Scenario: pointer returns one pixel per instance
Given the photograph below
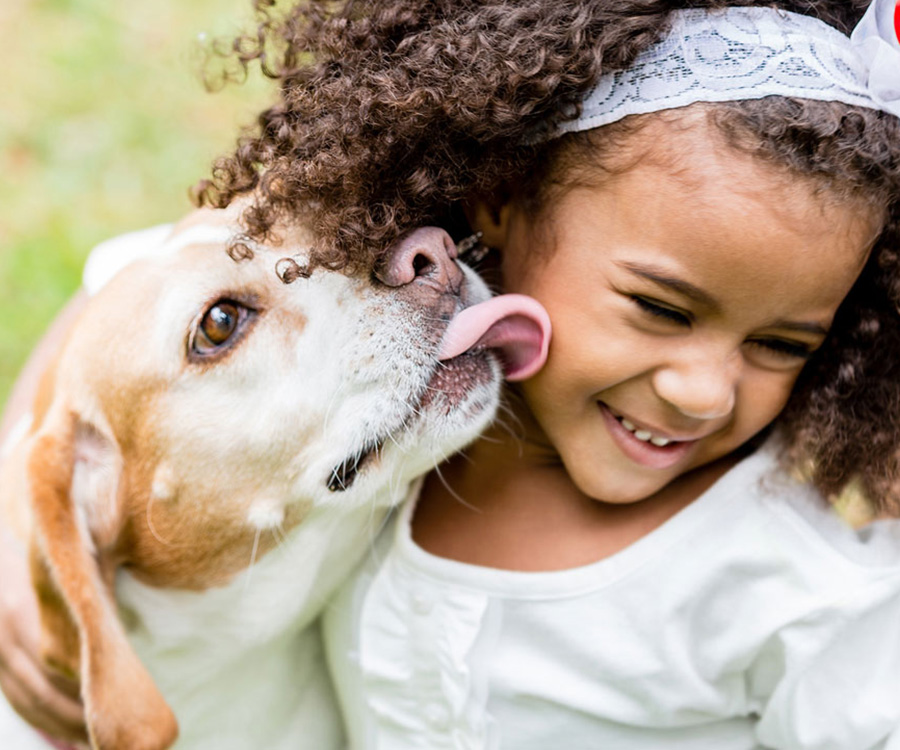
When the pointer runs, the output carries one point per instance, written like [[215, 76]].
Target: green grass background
[[104, 125]]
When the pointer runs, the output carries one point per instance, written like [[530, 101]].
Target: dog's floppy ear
[[83, 636]]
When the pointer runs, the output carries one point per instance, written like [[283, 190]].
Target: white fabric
[[753, 618], [750, 53]]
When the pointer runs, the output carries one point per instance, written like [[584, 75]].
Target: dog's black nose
[[426, 257]]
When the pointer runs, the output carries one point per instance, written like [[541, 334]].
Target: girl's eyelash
[[661, 311], [779, 347], [783, 348]]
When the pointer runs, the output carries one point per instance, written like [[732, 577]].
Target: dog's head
[[202, 407]]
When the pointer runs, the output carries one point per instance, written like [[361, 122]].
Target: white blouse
[[753, 618]]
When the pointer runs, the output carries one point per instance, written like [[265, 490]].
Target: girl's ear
[[490, 217]]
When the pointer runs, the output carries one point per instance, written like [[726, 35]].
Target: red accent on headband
[[897, 21]]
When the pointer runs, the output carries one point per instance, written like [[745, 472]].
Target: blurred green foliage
[[104, 126]]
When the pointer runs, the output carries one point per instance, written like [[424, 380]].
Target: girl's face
[[686, 294]]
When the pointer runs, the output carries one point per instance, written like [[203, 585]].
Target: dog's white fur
[[202, 487]]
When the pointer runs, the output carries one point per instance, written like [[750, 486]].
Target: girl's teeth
[[644, 435]]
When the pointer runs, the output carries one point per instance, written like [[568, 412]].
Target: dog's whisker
[[500, 424], [331, 403], [375, 529], [280, 536], [403, 451], [156, 535], [296, 553], [336, 478], [518, 439], [505, 407], [515, 427], [291, 551], [515, 430], [253, 552], [390, 436], [467, 458], [454, 494]]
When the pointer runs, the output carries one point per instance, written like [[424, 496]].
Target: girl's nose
[[701, 388]]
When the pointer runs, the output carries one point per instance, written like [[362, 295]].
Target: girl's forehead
[[677, 173], [688, 146], [698, 211]]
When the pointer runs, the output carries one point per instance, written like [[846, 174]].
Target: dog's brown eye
[[219, 323], [217, 326]]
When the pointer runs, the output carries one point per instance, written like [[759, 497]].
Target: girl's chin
[[613, 486]]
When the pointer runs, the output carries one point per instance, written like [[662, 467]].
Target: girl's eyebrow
[[792, 325], [660, 276]]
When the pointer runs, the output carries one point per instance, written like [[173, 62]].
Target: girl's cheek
[[765, 396]]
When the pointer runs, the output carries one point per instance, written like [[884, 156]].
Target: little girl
[[641, 553]]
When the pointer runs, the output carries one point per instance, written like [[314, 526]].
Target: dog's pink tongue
[[514, 324]]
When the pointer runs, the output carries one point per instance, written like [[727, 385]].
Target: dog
[[214, 450]]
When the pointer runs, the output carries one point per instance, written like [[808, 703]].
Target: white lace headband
[[749, 53]]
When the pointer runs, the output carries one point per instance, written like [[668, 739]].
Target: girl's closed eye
[[782, 348], [660, 310], [772, 346]]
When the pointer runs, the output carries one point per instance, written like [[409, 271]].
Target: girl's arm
[[45, 699]]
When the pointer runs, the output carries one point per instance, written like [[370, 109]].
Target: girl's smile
[[646, 446], [684, 308]]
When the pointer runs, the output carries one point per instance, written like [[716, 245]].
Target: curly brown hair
[[393, 113]]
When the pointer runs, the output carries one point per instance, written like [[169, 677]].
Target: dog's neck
[[204, 647], [283, 591]]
